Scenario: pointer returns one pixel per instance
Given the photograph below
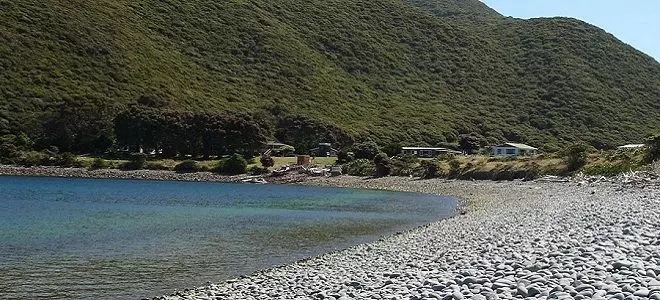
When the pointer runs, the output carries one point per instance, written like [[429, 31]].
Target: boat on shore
[[256, 180]]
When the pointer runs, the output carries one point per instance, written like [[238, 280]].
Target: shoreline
[[575, 239], [537, 240]]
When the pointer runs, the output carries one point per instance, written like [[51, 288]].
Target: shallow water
[[123, 239]]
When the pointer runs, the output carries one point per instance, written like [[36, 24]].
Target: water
[[122, 239]]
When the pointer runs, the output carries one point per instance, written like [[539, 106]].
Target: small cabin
[[427, 152], [514, 149]]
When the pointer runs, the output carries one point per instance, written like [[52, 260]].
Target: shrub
[[66, 159], [158, 166], [255, 170], [405, 165], [576, 156], [267, 161], [99, 163], [9, 153], [608, 169], [360, 167], [34, 158], [344, 156], [187, 166], [431, 169], [653, 144], [454, 168], [366, 150], [446, 156], [235, 165], [137, 161], [382, 165]]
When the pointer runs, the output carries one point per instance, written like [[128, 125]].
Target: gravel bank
[[530, 240], [114, 174]]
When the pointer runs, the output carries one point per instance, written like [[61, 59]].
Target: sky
[[635, 22]]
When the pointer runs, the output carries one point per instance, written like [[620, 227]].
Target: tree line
[[151, 124]]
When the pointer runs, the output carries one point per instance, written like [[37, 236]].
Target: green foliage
[[344, 156], [187, 166], [235, 165], [576, 156], [66, 159], [306, 134], [454, 168], [99, 163], [469, 143], [360, 167], [383, 165], [187, 133], [392, 149], [255, 170], [431, 169], [366, 150], [287, 150], [608, 169], [418, 71], [267, 161], [34, 158], [653, 144], [137, 161]]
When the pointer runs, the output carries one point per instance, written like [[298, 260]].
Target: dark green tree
[[576, 156], [235, 165], [382, 165], [366, 150], [468, 143]]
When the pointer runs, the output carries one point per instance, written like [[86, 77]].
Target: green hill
[[417, 71]]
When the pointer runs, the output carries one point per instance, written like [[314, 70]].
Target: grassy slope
[[390, 69]]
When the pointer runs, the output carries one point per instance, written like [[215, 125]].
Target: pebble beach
[[511, 240], [575, 239]]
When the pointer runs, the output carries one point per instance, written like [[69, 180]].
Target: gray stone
[[643, 292]]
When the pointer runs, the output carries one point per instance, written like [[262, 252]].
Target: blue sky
[[635, 22]]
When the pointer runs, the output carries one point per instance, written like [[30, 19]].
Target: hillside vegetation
[[416, 72]]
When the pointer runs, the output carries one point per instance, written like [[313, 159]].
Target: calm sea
[[121, 239]]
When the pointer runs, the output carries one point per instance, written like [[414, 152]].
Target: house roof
[[430, 148], [632, 146], [424, 148], [517, 145], [275, 144]]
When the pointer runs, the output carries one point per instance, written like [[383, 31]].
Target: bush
[[608, 169], [235, 165], [344, 157], [653, 144], [9, 153], [34, 158], [405, 165], [454, 168], [136, 162], [431, 169], [360, 167], [382, 165], [576, 156], [99, 163], [187, 166], [267, 161], [66, 159], [366, 150], [255, 170]]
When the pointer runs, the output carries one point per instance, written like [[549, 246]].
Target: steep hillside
[[415, 71]]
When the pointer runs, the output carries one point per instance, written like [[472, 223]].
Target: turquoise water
[[122, 239]]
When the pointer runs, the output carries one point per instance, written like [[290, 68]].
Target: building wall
[[510, 151]]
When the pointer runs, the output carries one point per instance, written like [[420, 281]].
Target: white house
[[514, 149]]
